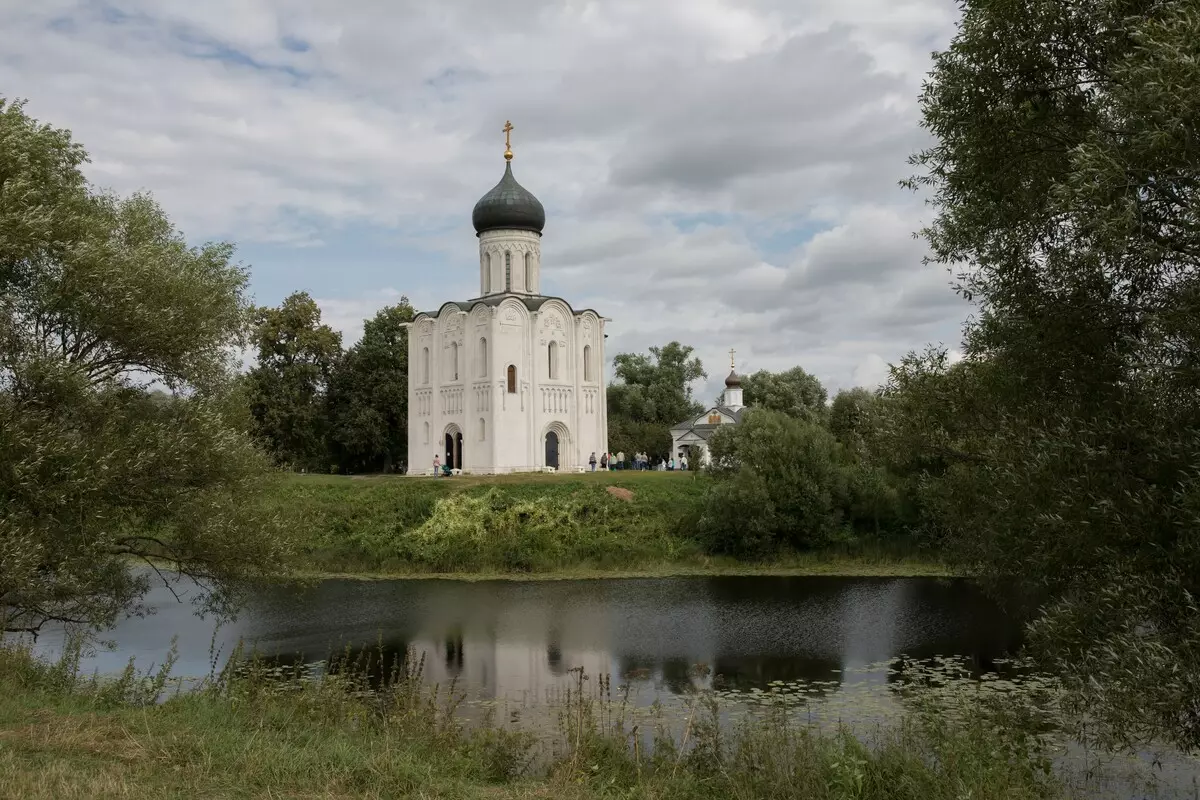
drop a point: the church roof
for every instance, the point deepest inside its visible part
(733, 380)
(508, 205)
(491, 301)
(705, 430)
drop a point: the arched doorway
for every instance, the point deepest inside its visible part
(453, 441)
(558, 452)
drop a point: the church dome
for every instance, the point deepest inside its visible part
(508, 205)
(734, 380)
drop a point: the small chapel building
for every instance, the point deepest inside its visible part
(511, 380)
(690, 437)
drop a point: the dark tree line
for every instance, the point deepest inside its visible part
(318, 407)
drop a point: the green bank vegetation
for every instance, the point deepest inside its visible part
(540, 525)
(253, 732)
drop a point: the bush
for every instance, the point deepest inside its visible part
(739, 518)
(789, 484)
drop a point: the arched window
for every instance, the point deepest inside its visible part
(483, 357)
(482, 429)
(587, 362)
(454, 361)
(512, 379)
(507, 271)
(485, 269)
(425, 365)
(552, 359)
(426, 433)
(529, 273)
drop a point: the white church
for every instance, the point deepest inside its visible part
(511, 380)
(690, 437)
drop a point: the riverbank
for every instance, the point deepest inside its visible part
(607, 524)
(258, 735)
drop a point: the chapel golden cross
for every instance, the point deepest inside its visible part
(731, 352)
(508, 126)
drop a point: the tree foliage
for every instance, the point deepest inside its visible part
(649, 394)
(1063, 455)
(368, 395)
(296, 359)
(793, 392)
(791, 462)
(100, 295)
(853, 416)
(779, 482)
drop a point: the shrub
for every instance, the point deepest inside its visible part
(789, 483)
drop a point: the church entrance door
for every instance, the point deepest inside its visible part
(454, 448)
(552, 449)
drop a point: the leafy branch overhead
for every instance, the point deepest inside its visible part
(1062, 456)
(119, 437)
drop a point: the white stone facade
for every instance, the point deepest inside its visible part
(510, 262)
(515, 376)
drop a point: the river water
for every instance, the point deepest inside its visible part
(515, 638)
(515, 643)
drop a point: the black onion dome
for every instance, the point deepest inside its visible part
(508, 205)
(733, 380)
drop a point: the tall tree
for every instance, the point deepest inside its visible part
(656, 387)
(1066, 182)
(296, 357)
(368, 395)
(649, 394)
(793, 392)
(99, 297)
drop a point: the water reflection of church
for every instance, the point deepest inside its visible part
(520, 641)
(710, 644)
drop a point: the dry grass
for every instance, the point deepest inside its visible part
(254, 734)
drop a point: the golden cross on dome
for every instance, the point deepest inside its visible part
(731, 352)
(508, 126)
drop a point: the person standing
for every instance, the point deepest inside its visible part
(592, 461)
(621, 459)
(604, 461)
(437, 465)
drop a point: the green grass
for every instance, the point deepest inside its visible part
(253, 735)
(566, 526)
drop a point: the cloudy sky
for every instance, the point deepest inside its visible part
(722, 172)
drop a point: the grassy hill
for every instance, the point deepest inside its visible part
(607, 523)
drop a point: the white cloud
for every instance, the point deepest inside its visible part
(722, 172)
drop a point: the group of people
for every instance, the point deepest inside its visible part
(607, 461)
(640, 461)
